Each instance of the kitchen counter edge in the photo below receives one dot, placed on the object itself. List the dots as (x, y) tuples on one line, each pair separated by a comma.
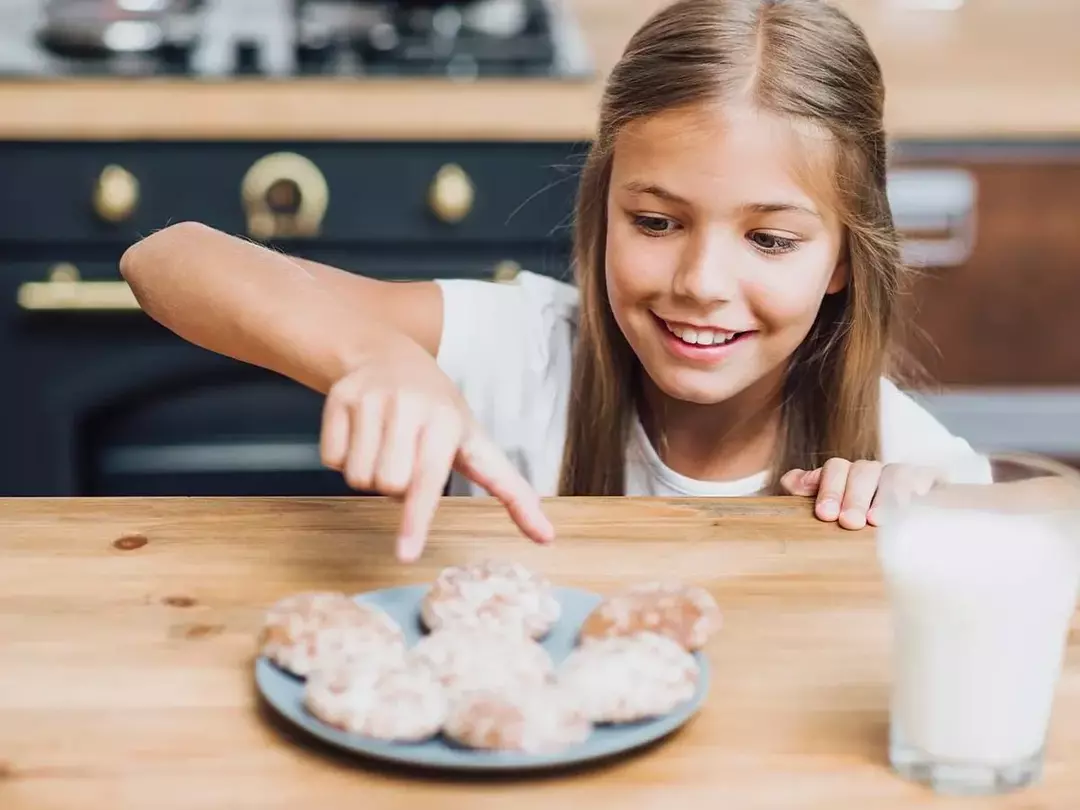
[(428, 110)]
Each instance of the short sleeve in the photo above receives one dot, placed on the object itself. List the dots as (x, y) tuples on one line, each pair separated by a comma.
[(910, 434), (509, 349)]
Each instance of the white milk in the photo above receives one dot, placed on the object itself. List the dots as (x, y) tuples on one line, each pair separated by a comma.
[(981, 606)]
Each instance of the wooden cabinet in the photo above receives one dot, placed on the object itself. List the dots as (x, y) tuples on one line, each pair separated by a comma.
[(1008, 314)]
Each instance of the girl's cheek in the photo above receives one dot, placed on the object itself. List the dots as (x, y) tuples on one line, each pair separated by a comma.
[(782, 301), (637, 266)]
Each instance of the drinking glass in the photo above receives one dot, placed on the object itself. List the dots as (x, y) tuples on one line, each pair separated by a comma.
[(982, 581)]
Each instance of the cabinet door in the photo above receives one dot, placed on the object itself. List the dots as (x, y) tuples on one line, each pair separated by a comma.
[(1003, 314)]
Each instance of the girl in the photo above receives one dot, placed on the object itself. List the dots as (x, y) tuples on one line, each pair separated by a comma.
[(736, 281)]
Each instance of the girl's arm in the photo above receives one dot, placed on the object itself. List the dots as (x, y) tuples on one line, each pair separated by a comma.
[(393, 421), (305, 320)]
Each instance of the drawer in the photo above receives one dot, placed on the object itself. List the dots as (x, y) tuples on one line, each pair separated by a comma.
[(376, 193)]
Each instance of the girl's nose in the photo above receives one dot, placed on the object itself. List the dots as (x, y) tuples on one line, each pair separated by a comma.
[(707, 270)]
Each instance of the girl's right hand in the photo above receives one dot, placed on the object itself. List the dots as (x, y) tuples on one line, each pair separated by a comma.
[(397, 425)]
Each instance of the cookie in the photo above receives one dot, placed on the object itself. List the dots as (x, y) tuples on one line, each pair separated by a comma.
[(685, 613), (626, 678), (308, 630), (498, 595), (465, 659), (397, 704), (536, 720)]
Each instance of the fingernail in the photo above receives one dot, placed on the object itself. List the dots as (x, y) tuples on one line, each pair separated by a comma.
[(407, 549), (547, 532), (853, 519), (829, 509)]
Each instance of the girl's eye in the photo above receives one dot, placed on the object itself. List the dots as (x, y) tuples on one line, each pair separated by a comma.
[(654, 226), (771, 243)]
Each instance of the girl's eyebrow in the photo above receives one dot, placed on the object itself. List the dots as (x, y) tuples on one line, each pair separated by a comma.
[(777, 207), (637, 187)]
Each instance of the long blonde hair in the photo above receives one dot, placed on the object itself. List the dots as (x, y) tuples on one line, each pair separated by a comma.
[(804, 60)]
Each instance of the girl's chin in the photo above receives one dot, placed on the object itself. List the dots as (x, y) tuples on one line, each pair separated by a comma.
[(695, 387)]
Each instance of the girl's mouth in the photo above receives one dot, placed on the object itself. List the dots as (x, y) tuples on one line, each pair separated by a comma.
[(701, 342)]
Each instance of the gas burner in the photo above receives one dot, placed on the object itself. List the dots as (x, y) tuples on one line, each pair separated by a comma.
[(456, 39), (462, 39), (103, 28)]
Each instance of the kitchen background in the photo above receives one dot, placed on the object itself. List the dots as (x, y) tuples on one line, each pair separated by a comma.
[(420, 138)]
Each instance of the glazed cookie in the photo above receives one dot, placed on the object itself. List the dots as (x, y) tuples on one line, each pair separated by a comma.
[(498, 595), (626, 678), (685, 613), (537, 720), (465, 659), (308, 630), (399, 704)]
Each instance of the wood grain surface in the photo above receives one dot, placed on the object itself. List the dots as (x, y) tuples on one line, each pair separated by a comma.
[(126, 649), (989, 69)]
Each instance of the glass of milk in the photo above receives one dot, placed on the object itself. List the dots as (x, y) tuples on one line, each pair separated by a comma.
[(982, 580)]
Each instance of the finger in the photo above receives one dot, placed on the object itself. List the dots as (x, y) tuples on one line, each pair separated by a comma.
[(334, 435), (862, 484), (366, 435), (899, 482), (483, 462), (394, 468), (437, 446), (801, 482), (834, 473)]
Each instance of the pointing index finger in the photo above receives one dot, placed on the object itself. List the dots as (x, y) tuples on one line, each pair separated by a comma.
[(483, 462)]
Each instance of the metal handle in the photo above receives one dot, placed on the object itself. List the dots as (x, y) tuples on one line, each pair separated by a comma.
[(65, 291), (934, 214)]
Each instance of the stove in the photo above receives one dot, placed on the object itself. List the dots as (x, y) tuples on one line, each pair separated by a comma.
[(462, 40)]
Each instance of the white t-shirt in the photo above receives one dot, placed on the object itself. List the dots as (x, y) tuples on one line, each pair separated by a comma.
[(509, 349)]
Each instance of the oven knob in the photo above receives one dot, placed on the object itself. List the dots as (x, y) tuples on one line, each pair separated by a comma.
[(285, 196), (451, 194), (116, 194)]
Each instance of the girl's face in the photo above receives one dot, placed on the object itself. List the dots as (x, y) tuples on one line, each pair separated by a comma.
[(718, 257)]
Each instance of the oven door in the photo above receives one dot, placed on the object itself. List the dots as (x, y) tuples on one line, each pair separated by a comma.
[(108, 402), (231, 434)]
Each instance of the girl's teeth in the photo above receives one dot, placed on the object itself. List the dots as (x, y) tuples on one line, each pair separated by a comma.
[(700, 337)]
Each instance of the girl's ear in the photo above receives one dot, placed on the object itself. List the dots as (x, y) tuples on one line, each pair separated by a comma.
[(839, 278)]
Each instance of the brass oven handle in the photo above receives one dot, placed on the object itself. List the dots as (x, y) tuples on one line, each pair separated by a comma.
[(65, 291)]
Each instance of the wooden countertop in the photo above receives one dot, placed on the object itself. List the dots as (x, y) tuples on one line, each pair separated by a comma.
[(992, 69), (127, 628)]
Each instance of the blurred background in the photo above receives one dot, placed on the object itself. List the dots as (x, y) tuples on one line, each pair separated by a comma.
[(424, 138)]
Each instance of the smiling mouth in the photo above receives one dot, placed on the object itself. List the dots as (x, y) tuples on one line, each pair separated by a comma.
[(701, 336)]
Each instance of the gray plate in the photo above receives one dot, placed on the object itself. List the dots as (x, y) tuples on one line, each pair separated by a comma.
[(284, 692)]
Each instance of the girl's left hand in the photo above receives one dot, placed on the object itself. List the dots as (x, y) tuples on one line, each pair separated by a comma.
[(849, 491)]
